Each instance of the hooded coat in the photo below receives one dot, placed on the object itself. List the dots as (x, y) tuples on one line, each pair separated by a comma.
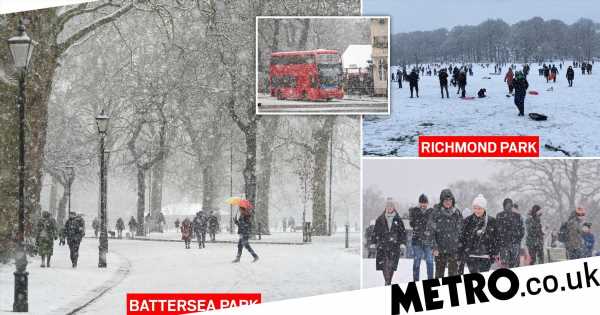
[(418, 219), (535, 235), (388, 240), (446, 226)]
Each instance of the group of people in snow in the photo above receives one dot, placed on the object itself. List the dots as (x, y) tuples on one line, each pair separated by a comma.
[(47, 231), (448, 239), (516, 80), (198, 227)]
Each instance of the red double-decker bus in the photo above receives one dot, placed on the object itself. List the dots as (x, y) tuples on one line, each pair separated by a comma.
[(306, 75)]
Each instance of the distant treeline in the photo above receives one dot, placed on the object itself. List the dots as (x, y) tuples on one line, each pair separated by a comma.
[(534, 40)]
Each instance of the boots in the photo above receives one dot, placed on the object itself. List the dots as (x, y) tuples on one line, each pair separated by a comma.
[(255, 259), (43, 259), (236, 260), (48, 261)]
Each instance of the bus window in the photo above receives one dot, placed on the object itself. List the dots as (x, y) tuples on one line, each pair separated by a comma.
[(292, 60), (283, 82)]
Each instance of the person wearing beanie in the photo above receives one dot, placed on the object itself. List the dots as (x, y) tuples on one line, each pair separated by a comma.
[(445, 226), (535, 235), (588, 240), (388, 235), (510, 234), (421, 237), (478, 240)]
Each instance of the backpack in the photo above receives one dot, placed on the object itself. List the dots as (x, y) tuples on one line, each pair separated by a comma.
[(562, 233)]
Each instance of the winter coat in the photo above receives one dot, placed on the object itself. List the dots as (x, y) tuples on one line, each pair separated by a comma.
[(213, 223), (521, 87), (96, 224), (443, 76), (418, 220), (200, 223), (413, 78), (388, 240), (588, 243), (510, 228), (509, 77), (446, 226), (462, 79), (75, 228), (120, 224), (574, 233), (46, 233), (479, 237), (535, 235), (186, 230), (244, 223), (132, 224), (570, 74)]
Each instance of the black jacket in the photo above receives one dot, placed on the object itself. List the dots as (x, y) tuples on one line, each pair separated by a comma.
[(570, 74), (443, 75), (462, 79), (199, 224), (413, 78), (446, 226), (75, 228), (535, 235), (520, 86), (479, 237), (388, 240), (244, 223), (510, 228), (418, 220)]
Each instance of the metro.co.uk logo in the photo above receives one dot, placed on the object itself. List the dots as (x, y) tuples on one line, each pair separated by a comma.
[(185, 303), (502, 284)]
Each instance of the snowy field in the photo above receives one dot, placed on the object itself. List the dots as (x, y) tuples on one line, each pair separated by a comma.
[(573, 113), (283, 272), (374, 278), (350, 104)]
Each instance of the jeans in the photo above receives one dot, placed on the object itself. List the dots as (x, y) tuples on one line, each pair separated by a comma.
[(575, 253), (243, 242), (422, 252), (536, 252), (444, 259)]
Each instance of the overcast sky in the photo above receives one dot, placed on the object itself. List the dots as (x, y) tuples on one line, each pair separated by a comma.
[(406, 179), (425, 15)]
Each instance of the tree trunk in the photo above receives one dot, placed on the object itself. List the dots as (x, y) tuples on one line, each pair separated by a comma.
[(158, 174), (321, 138), (53, 197), (264, 177), (208, 186), (62, 207), (141, 198)]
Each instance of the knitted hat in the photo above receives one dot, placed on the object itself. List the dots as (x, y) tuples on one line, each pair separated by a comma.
[(390, 203), (423, 199), (480, 201)]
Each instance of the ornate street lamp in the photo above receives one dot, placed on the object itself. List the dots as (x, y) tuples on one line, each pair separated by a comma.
[(102, 124), (21, 48)]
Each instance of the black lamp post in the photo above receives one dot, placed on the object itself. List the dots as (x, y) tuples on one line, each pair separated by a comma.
[(70, 172), (21, 47), (102, 124)]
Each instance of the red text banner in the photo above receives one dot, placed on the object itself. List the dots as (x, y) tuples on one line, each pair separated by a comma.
[(186, 303), (479, 146)]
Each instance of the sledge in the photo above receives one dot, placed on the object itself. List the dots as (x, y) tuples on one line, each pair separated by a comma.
[(508, 95), (468, 98), (538, 117), (534, 93)]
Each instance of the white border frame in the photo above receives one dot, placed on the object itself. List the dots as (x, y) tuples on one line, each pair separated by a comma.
[(256, 55)]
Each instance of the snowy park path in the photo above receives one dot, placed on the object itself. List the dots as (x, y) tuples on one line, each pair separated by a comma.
[(573, 114), (62, 289)]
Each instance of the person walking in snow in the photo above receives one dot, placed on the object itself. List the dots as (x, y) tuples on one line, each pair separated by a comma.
[(46, 233), (413, 80), (520, 85), (462, 83), (588, 240), (177, 223), (479, 240), (510, 234), (120, 226), (526, 70), (74, 232), (186, 232), (574, 234), (570, 76), (589, 69), (388, 235), (199, 225), (421, 237), (546, 73), (400, 77), (213, 226), (508, 78), (535, 235), (96, 226), (132, 226), (244, 224), (445, 225), (443, 77), (553, 73)]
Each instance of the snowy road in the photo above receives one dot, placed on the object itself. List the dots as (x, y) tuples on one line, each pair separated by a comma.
[(348, 105), (284, 271), (573, 123)]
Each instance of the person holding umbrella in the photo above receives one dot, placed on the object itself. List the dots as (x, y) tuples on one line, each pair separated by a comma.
[(244, 222)]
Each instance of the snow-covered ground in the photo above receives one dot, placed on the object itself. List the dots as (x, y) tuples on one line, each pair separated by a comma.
[(374, 278), (350, 104), (283, 272), (573, 113)]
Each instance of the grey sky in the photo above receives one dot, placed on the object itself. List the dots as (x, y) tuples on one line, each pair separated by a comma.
[(424, 15), (406, 179)]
